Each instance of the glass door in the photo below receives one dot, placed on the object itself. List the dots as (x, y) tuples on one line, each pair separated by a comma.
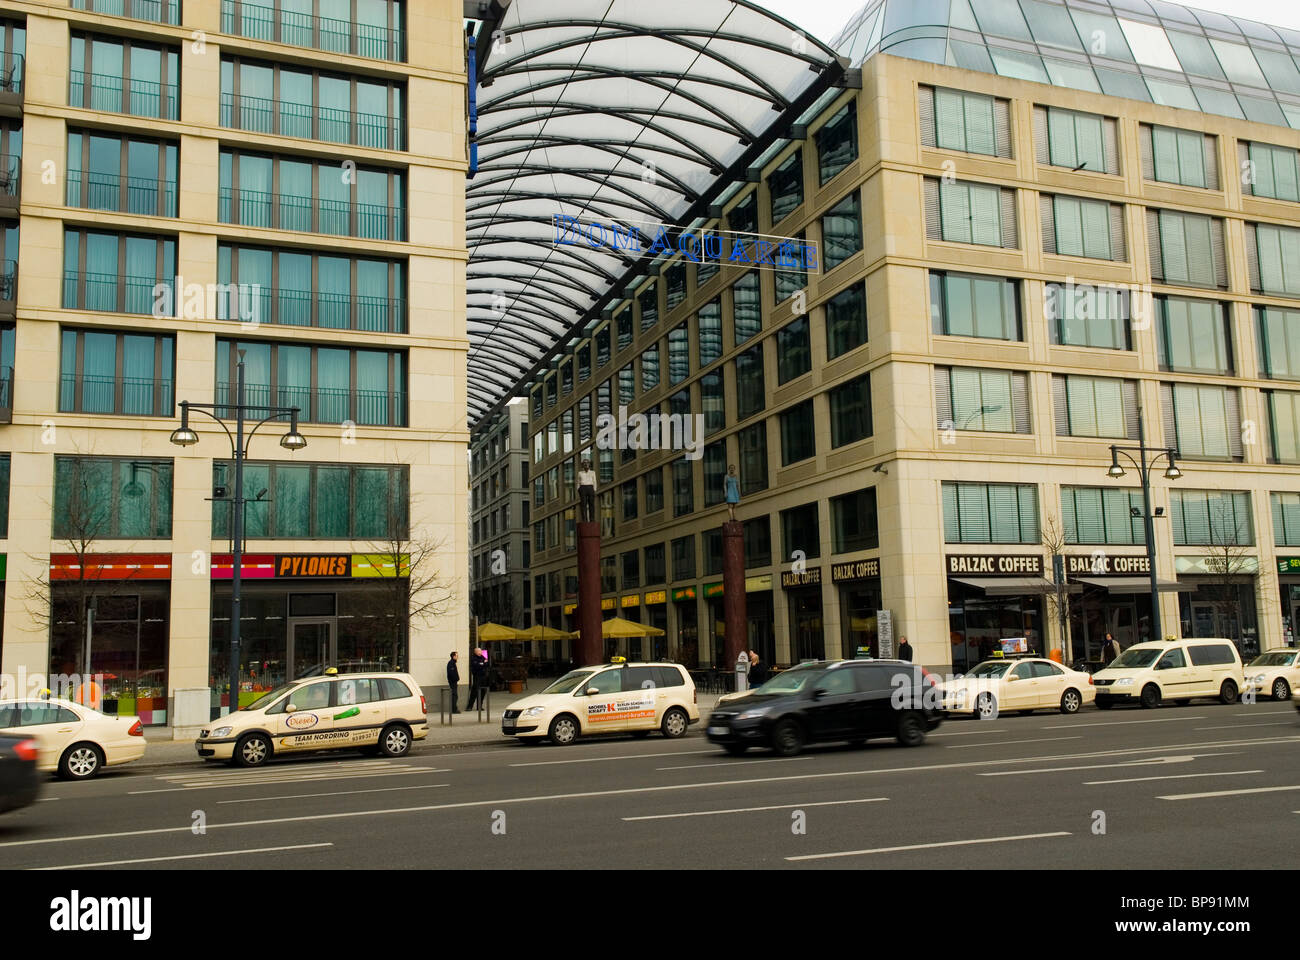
[(311, 647)]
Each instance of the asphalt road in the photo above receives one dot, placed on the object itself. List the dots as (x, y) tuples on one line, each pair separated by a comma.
[(1202, 785)]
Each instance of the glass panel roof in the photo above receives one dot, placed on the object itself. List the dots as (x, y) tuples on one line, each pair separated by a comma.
[(607, 110)]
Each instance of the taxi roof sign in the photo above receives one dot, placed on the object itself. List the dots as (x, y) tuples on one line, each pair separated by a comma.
[(332, 672), (618, 659)]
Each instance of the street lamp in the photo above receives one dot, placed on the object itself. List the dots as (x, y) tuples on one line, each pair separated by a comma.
[(184, 436), (1148, 458)]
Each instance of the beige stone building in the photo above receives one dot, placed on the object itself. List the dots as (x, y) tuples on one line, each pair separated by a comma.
[(195, 180)]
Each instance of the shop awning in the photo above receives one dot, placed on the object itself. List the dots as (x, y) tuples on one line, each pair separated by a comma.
[(1013, 586), (1136, 584)]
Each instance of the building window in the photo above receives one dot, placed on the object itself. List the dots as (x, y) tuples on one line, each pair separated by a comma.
[(712, 552), (793, 351), (629, 500), (1102, 515), (648, 301), (715, 469), (125, 174), (1075, 227), (123, 76), (1273, 171), (650, 367), (1274, 259), (1284, 425), (4, 495), (785, 185), (679, 404), (746, 309), (675, 292), (1202, 421), (655, 571), (837, 142), (363, 28), (798, 434), (157, 11), (567, 478), (1095, 407), (608, 574), (979, 213), (117, 272), (683, 487), (108, 498), (800, 530), (1279, 342), (327, 384), (743, 217), (631, 569), (127, 373), (842, 231), (990, 513), (853, 522), (539, 491), (679, 353), (752, 442), (1088, 316), (604, 399), (566, 377), (602, 346), (304, 289), (969, 398), (684, 558), (757, 534), (654, 490), (846, 320), (709, 322), (1186, 249), (626, 385), (970, 305), (605, 466), (707, 269), (584, 418), (537, 397), (713, 402), (1193, 335), (751, 392), (1211, 518), (1080, 141), (789, 282), (315, 501), (286, 193), (1184, 157), (624, 321), (850, 410), (970, 122), (1286, 519), (539, 540), (294, 102)]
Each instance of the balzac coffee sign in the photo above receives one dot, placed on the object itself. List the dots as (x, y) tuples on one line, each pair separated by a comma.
[(1104, 565), (995, 565)]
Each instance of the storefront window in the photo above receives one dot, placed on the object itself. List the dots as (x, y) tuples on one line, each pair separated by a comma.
[(807, 638), (688, 634), (859, 602), (977, 622)]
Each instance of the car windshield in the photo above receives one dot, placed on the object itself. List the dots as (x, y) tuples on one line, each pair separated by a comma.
[(1280, 659), (1137, 657), (990, 669), (788, 681), (569, 682), (266, 698)]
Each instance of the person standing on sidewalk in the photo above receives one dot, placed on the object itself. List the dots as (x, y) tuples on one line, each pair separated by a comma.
[(905, 650), (477, 669), (453, 680)]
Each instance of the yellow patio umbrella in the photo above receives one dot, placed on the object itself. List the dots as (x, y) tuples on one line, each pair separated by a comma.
[(494, 632), (617, 627), (539, 631)]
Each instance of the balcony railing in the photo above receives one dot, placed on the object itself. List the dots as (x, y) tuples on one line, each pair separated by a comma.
[(110, 293), (10, 171), (8, 280), (155, 11), (6, 393), (254, 208), (290, 119), (108, 191), (303, 308), (372, 408), (261, 22), (11, 72), (130, 396), (139, 98)]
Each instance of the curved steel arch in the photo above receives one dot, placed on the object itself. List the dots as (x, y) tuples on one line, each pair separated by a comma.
[(607, 145)]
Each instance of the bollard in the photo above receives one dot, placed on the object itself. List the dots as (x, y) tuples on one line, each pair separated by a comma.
[(742, 672)]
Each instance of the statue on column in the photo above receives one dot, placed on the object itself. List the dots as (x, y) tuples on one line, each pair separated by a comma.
[(732, 484), (587, 493)]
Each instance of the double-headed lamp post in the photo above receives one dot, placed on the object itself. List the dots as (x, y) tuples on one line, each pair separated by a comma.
[(1147, 459), (183, 436)]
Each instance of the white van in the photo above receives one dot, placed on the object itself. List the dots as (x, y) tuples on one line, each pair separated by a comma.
[(1179, 670)]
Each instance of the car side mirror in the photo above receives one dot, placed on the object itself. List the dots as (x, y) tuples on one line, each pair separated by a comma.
[(1012, 677), (818, 693), (592, 691), (290, 709)]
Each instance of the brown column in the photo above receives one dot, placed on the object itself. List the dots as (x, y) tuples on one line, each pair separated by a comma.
[(589, 647), (733, 592)]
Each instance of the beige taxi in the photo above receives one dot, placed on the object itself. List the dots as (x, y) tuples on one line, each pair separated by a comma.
[(618, 697), (1274, 674), (1021, 684), (71, 738), (373, 712)]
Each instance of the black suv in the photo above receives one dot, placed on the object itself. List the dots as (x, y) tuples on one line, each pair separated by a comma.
[(851, 700)]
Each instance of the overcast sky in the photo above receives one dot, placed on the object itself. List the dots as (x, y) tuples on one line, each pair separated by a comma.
[(823, 18)]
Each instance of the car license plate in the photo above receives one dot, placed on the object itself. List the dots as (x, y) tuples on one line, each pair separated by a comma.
[(717, 731), (507, 725)]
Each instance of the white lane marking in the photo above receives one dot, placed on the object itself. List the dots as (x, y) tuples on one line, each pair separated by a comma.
[(1237, 726), (265, 782), (336, 793), (1172, 776), (733, 763), (986, 730), (187, 856), (1227, 793), (630, 790), (1120, 723), (779, 806), (1097, 766), (1264, 713), (930, 846), (1003, 743), (627, 756), (47, 799), (283, 769)]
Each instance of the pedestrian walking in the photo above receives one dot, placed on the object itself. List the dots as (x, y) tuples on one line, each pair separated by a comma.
[(904, 650), (757, 669), (1109, 649), (453, 679), (477, 676)]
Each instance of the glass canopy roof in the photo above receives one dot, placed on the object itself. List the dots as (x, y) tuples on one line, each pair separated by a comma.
[(1149, 50), (609, 110)]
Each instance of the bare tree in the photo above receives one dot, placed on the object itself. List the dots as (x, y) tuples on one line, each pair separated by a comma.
[(1059, 608), (1227, 563)]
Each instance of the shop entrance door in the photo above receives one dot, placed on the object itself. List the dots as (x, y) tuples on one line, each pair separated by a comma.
[(1203, 620), (1121, 623), (312, 647)]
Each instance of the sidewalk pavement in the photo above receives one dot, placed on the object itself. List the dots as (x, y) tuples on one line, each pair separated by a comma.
[(467, 729)]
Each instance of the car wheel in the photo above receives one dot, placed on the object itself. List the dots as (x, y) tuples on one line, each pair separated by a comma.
[(986, 707), (252, 750), (787, 738), (1150, 696), (735, 749), (1228, 692), (1103, 703), (564, 730), (81, 761), (1281, 690), (675, 723), (395, 741), (911, 731), (1071, 701)]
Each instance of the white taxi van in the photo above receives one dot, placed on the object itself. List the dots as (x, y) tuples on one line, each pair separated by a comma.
[(1178, 670), (617, 697), (372, 712), (73, 739), (1274, 674)]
